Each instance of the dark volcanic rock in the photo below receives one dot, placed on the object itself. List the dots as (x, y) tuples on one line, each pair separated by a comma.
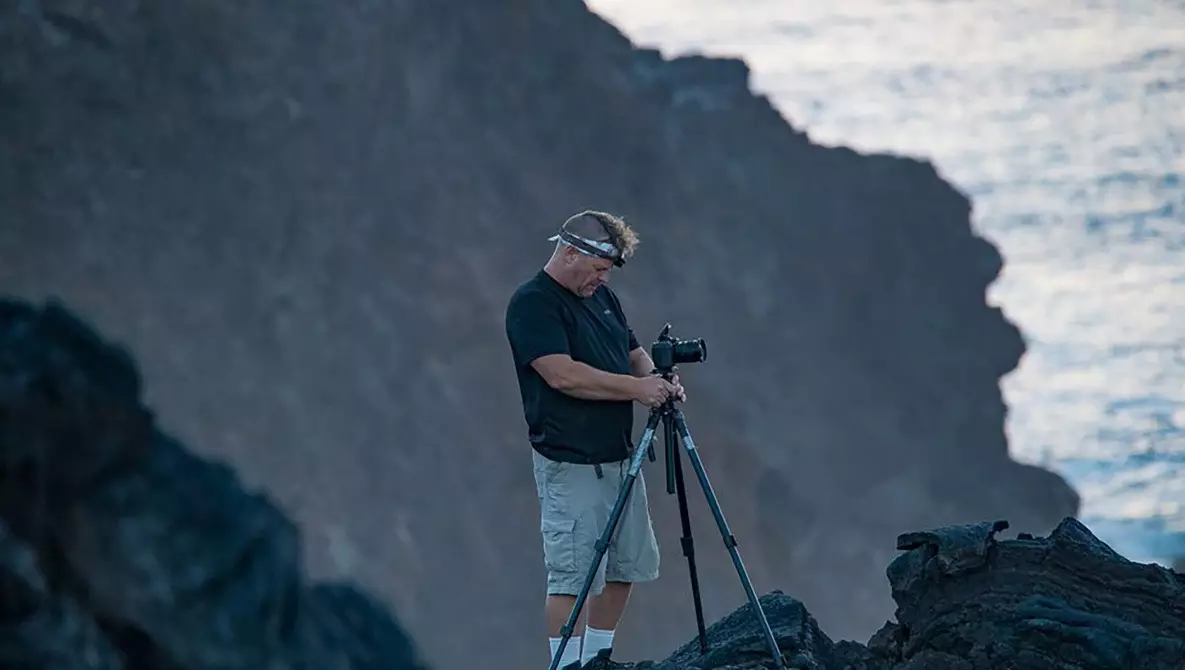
[(306, 220), (736, 641), (967, 601), (41, 630), (121, 550)]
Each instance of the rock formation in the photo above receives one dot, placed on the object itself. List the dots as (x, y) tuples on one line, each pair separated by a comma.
[(305, 219), (121, 550), (966, 601)]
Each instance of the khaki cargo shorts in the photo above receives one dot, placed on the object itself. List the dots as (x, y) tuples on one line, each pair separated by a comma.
[(574, 510)]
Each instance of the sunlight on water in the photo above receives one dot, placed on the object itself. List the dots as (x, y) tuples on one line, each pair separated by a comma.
[(1063, 121)]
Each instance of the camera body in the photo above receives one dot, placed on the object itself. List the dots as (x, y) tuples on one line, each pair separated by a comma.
[(667, 351)]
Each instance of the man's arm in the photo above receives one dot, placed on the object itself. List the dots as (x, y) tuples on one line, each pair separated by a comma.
[(538, 338), (584, 381), (641, 365)]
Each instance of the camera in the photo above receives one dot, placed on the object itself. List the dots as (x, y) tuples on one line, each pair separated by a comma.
[(668, 351)]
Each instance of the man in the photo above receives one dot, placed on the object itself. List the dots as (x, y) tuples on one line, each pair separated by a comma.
[(580, 369)]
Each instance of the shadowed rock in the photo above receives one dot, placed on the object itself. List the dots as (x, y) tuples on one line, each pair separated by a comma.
[(737, 642), (41, 630), (121, 550)]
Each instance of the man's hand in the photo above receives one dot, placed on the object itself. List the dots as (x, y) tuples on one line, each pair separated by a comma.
[(654, 391), (679, 392)]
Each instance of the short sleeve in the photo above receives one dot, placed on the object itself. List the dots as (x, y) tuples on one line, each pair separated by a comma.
[(535, 328), (621, 312)]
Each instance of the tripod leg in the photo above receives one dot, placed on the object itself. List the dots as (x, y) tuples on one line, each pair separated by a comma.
[(602, 545), (729, 541), (669, 444), (673, 463)]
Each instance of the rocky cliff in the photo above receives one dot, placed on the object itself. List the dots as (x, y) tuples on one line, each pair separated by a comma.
[(121, 550), (306, 219)]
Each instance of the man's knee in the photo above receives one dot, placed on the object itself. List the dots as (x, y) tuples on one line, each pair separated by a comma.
[(567, 577), (570, 583), (635, 557), (633, 573)]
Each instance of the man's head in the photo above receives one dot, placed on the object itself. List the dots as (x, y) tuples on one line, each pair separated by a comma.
[(588, 246)]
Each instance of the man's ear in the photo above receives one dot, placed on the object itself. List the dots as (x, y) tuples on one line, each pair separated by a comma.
[(569, 255)]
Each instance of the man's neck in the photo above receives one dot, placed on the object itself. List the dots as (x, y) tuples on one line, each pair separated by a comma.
[(556, 274)]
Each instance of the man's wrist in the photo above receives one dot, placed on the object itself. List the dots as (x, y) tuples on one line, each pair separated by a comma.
[(634, 386)]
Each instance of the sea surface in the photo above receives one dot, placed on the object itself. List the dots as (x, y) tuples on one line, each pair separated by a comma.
[(1064, 120)]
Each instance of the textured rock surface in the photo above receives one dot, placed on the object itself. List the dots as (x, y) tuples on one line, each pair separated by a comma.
[(305, 219), (967, 601), (120, 550)]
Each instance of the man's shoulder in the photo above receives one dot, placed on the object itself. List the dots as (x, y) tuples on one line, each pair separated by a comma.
[(531, 294), (527, 289)]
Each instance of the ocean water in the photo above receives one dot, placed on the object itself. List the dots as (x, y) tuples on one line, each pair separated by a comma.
[(1064, 121)]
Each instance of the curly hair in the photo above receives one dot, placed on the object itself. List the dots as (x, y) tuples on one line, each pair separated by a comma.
[(604, 227)]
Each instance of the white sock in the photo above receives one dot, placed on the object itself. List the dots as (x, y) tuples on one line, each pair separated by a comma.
[(571, 650), (594, 641)]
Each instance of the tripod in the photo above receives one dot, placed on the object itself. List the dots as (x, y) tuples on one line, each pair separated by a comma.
[(674, 427)]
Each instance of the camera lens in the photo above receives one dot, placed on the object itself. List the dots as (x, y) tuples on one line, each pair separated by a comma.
[(690, 351)]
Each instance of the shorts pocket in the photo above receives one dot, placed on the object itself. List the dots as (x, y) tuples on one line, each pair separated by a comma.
[(559, 544)]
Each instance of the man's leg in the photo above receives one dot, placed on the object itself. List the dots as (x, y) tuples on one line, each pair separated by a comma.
[(570, 524), (632, 557), (558, 608), (605, 610)]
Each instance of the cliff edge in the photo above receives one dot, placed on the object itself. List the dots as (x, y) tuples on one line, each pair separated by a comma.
[(306, 219), (121, 550)]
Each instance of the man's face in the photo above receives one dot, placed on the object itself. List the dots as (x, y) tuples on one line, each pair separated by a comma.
[(589, 273)]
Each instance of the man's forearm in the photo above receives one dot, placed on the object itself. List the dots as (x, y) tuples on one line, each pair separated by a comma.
[(588, 383), (641, 365)]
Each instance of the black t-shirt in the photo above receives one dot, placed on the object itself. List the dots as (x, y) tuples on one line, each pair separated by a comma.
[(544, 318)]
